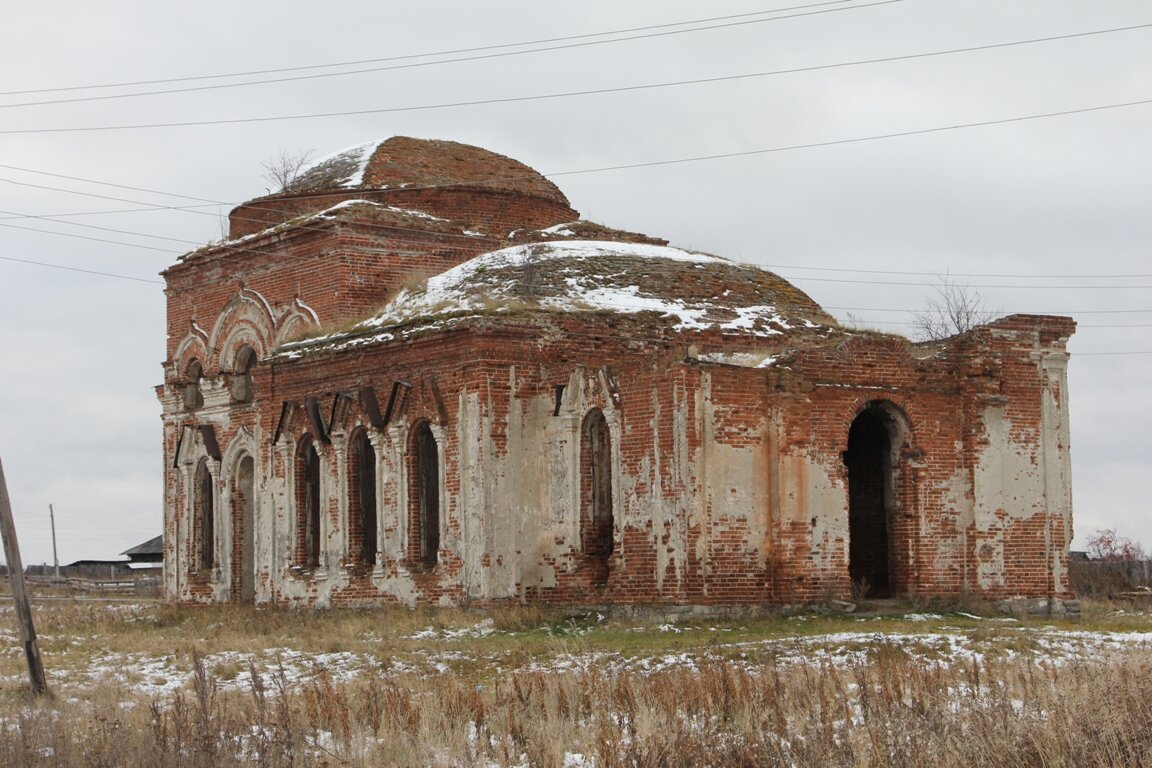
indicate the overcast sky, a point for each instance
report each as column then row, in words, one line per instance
column 1046, row 215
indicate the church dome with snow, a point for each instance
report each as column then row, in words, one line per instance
column 670, row 288
column 445, row 178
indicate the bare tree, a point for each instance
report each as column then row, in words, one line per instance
column 1106, row 544
column 284, row 169
column 956, row 308
column 530, row 269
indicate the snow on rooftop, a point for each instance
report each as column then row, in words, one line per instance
column 686, row 289
column 329, row 213
column 342, row 169
column 473, row 286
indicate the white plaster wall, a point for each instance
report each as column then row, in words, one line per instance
column 1008, row 487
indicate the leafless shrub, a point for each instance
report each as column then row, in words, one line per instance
column 529, row 271
column 1106, row 544
column 955, row 308
column 283, row 169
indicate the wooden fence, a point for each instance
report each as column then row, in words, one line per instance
column 1112, row 578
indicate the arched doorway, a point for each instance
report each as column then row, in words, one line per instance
column 243, row 532
column 870, row 500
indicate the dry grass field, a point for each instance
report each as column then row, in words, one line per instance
column 137, row 684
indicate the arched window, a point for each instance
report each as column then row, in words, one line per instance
column 205, row 512
column 362, row 500
column 307, row 504
column 597, row 522
column 424, row 495
column 242, row 375
column 193, row 397
column 243, row 564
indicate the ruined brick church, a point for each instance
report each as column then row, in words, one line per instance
column 416, row 376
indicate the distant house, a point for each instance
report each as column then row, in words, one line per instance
column 150, row 554
column 93, row 570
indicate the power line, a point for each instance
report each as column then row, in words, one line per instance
column 1045, row 312
column 93, row 239
column 214, row 203
column 90, row 226
column 855, row 140
column 1022, row 286
column 619, row 89
column 905, row 323
column 390, row 227
column 105, row 183
column 78, row 269
column 99, row 196
column 565, row 94
column 376, row 225
column 584, row 44
column 949, row 274
column 674, row 161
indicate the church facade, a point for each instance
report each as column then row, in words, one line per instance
column 416, row 376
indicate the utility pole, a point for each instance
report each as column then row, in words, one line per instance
column 55, row 560
column 19, row 595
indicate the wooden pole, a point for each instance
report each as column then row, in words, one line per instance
column 55, row 560
column 19, row 594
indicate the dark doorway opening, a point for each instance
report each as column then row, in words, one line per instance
column 869, row 462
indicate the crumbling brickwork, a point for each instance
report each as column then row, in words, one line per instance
column 413, row 377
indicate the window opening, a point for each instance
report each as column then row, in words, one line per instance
column 362, row 528
column 193, row 396
column 598, row 523
column 242, row 375
column 243, row 506
column 308, row 505
column 206, row 544
column 427, row 495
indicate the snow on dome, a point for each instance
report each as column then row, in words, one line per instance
column 401, row 161
column 688, row 289
column 343, row 169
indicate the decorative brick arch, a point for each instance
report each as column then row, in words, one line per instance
column 194, row 345
column 297, row 320
column 247, row 319
column 862, row 344
column 189, row 366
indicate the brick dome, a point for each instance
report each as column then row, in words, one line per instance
column 447, row 179
column 402, row 162
column 680, row 289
